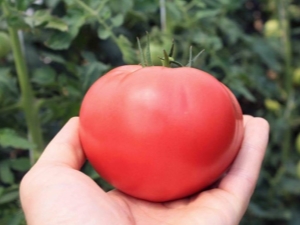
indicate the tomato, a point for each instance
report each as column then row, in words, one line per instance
column 298, row 143
column 296, row 76
column 272, row 28
column 272, row 105
column 159, row 133
column 5, row 46
column 298, row 169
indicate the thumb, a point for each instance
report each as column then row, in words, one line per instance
column 65, row 148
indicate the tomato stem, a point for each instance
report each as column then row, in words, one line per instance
column 168, row 59
column 172, row 49
column 191, row 59
column 27, row 101
column 142, row 56
column 283, row 14
column 148, row 53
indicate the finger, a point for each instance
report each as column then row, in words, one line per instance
column 243, row 174
column 246, row 119
column 65, row 148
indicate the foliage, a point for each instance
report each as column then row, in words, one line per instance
column 252, row 46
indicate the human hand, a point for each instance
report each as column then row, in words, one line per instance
column 55, row 192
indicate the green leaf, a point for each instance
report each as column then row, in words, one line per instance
column 105, row 13
column 207, row 13
column 89, row 56
column 6, row 175
column 60, row 41
column 266, row 53
column 174, row 12
column 128, row 53
column 269, row 213
column 9, row 91
column 40, row 17
column 9, row 197
column 69, row 2
column 230, row 29
column 75, row 18
column 125, row 5
column 10, row 138
column 100, row 5
column 44, row 76
column 91, row 72
column 2, row 189
column 54, row 57
column 45, row 19
column 17, row 21
column 23, row 4
column 4, row 71
column 72, row 92
column 16, row 219
column 117, row 20
column 143, row 6
column 52, row 3
column 215, row 43
column 244, row 92
column 20, row 164
column 103, row 33
column 291, row 186
column 56, row 23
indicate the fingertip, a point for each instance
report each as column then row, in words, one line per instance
column 258, row 120
column 263, row 122
column 74, row 119
column 65, row 147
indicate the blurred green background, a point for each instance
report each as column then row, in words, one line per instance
column 62, row 46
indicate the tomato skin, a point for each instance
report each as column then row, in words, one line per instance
column 158, row 133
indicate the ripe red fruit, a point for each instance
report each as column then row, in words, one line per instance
column 160, row 133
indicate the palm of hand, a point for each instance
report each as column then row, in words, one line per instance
column 209, row 207
column 55, row 192
column 76, row 195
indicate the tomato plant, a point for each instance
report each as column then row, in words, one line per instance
column 159, row 133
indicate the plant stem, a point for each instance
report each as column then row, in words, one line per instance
column 86, row 7
column 286, row 41
column 288, row 85
column 27, row 97
column 163, row 17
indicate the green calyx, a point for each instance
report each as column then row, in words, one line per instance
column 145, row 56
column 167, row 60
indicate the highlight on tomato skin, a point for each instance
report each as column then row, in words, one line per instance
column 159, row 133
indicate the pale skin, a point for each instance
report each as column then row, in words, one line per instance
column 55, row 192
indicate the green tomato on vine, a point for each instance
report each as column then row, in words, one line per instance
column 5, row 46
column 272, row 28
column 298, row 143
column 296, row 76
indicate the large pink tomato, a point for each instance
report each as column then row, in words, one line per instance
column 159, row 133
